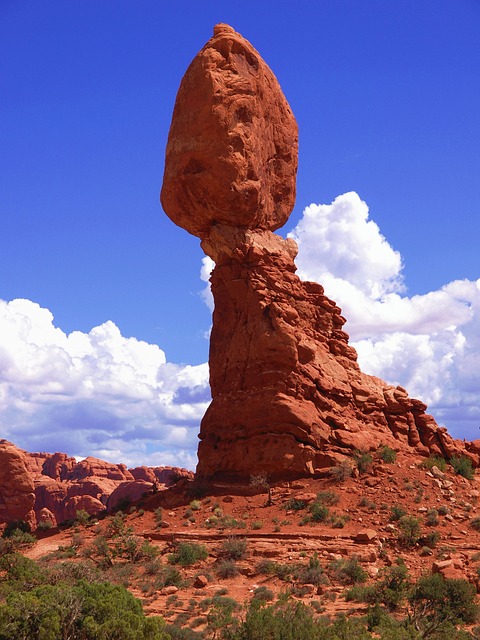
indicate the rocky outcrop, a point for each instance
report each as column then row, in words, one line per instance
column 17, row 495
column 288, row 397
column 40, row 487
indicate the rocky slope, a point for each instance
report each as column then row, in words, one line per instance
column 44, row 487
column 284, row 545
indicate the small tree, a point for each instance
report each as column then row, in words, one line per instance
column 261, row 481
column 409, row 531
column 437, row 603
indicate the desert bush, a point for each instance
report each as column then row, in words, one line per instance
column 263, row 594
column 227, row 569
column 82, row 517
column 195, row 505
column 463, row 466
column 188, row 553
column 16, row 525
column 272, row 568
column 338, row 521
column 294, row 505
column 256, row 524
column 431, row 539
column 431, row 518
column 224, row 522
column 397, row 512
column 390, row 590
column 328, row 498
column 38, row 610
column 387, row 454
column 475, row 523
column 234, row 548
column 158, row 516
column 318, row 512
column 311, row 573
column 363, row 460
column 348, row 571
column 409, row 531
column 443, row 509
column 435, row 461
column 368, row 504
column 342, row 471
column 168, row 576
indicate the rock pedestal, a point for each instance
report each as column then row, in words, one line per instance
column 288, row 397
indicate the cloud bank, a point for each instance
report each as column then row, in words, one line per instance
column 95, row 394
column 429, row 344
column 117, row 398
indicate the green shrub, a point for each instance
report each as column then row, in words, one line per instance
column 348, row 571
column 409, row 531
column 431, row 518
column 463, row 466
column 431, row 539
column 16, row 525
column 435, row 461
column 294, row 505
column 263, row 594
column 195, row 505
column 227, row 569
column 38, row 610
column 234, row 548
column 310, row 574
column 338, row 521
column 363, row 460
column 256, row 524
column 328, row 498
column 168, row 576
column 188, row 553
column 397, row 512
column 475, row 523
column 387, row 454
column 82, row 516
column 342, row 471
column 158, row 516
column 318, row 512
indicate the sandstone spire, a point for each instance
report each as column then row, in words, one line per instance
column 288, row 397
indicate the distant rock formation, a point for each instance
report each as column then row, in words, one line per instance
column 39, row 487
column 289, row 399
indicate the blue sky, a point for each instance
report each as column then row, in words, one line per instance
column 386, row 95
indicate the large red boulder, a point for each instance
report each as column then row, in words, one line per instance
column 232, row 148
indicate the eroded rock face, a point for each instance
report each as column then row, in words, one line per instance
column 288, row 397
column 40, row 487
column 232, row 149
column 17, row 495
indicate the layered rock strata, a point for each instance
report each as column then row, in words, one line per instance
column 288, row 397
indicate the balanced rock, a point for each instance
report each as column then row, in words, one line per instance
column 288, row 397
column 232, row 149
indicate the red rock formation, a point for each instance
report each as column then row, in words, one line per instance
column 232, row 149
column 16, row 486
column 288, row 396
column 40, row 487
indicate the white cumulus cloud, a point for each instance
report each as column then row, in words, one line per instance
column 95, row 393
column 429, row 343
